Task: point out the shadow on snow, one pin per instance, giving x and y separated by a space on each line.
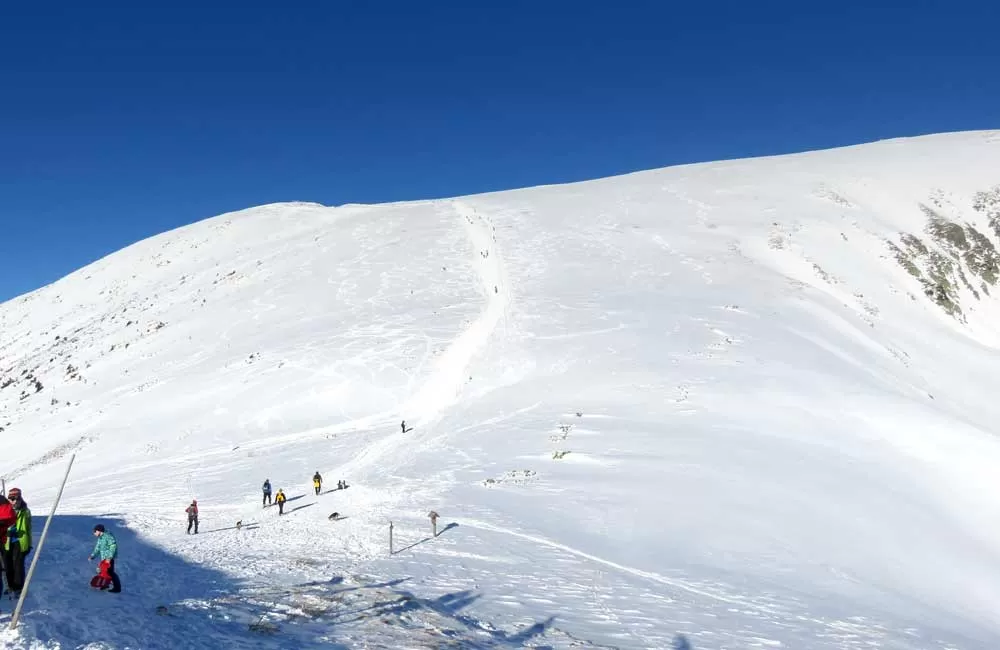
250 526
62 608
381 615
426 539
170 603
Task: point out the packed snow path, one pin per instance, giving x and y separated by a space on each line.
450 374
738 405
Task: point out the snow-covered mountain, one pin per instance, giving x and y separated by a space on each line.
747 404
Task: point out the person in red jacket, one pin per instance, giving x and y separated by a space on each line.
192 513
7 519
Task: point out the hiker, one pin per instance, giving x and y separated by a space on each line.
192 512
106 549
18 542
267 492
402 426
317 482
7 519
279 498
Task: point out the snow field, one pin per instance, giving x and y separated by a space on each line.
695 407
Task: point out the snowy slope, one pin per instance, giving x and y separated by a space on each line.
745 404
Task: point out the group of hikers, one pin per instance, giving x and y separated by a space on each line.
280 498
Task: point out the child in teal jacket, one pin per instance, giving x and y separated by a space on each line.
106 549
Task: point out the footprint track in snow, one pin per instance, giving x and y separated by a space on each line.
451 372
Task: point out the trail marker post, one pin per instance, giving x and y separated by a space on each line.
434 522
390 538
38 550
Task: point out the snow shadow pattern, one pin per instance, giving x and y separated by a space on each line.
61 607
169 603
426 539
357 613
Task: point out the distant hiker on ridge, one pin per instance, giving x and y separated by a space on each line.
317 482
192 513
402 426
106 549
18 543
267 492
279 498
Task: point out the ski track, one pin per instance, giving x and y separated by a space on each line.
648 575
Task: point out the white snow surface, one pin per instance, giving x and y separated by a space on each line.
697 407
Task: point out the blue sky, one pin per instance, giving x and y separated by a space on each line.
120 120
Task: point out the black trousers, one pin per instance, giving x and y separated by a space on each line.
318 488
13 565
116 583
267 498
281 507
192 521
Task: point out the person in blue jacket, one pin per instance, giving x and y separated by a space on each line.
107 549
267 492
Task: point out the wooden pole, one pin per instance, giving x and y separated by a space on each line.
390 538
38 549
434 522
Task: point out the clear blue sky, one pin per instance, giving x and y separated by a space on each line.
120 120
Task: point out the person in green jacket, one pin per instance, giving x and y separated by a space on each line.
106 548
19 542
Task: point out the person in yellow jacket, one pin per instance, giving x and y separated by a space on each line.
317 482
18 544
280 499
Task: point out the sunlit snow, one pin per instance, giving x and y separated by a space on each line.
699 407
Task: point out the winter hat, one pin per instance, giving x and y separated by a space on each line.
99 528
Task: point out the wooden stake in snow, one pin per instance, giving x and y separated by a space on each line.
434 522
390 538
38 549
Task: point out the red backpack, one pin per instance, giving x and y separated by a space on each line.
103 579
